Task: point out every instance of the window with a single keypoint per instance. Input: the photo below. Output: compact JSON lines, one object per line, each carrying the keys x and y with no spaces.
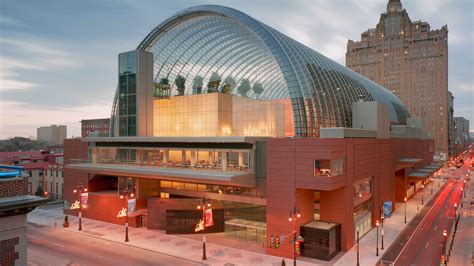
{"x":324,"y":167}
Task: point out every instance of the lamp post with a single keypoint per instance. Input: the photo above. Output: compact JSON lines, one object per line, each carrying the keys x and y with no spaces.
{"x":445,"y":234}
{"x":79,"y":190}
{"x":357,"y":250}
{"x":125,"y":195}
{"x":422,"y":187}
{"x":377,"y":246}
{"x":405,"y":200}
{"x":294,"y":214}
{"x":202,"y":204}
{"x":382,"y":217}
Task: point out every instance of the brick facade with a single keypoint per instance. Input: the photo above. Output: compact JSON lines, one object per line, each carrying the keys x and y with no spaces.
{"x":291,"y":181}
{"x":8,"y":255}
{"x":13,"y":187}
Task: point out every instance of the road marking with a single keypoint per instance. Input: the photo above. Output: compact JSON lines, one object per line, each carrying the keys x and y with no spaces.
{"x":57,"y":244}
{"x":427,"y":245}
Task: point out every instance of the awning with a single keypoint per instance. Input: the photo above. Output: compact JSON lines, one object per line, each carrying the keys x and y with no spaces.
{"x":406,"y":162}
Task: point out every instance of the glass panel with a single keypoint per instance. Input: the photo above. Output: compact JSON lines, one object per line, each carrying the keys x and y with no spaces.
{"x":122,"y":63}
{"x":132,"y":62}
{"x":132,"y":105}
{"x":132,"y":84}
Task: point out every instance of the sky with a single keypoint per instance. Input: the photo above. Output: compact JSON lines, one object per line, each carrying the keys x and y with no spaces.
{"x":58,"y":58}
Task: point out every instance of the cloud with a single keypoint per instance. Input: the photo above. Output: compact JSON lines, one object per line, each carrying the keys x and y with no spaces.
{"x":31,"y":54}
{"x":27,"y":118}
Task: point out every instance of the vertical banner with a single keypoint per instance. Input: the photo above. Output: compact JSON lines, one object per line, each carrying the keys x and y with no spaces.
{"x":209,"y":220}
{"x":387,"y":209}
{"x":84,"y":198}
{"x":131,"y":205}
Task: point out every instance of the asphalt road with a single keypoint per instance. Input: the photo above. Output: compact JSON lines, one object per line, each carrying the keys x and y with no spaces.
{"x":426,"y":245}
{"x":51,"y":246}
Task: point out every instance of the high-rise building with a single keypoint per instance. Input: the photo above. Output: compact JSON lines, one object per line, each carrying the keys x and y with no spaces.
{"x":462,"y":134}
{"x":53,"y":135}
{"x":99,"y":127}
{"x":411,"y":60}
{"x":451,"y":131}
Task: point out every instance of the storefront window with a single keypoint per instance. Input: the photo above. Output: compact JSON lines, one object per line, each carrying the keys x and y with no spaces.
{"x":363,"y":188}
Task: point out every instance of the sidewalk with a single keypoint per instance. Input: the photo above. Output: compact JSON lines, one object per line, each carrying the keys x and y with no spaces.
{"x":158,"y":241}
{"x":463,"y":247}
{"x":392,"y":228}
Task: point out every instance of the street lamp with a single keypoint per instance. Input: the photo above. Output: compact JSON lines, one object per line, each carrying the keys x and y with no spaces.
{"x":377,"y":249}
{"x":445,"y":234}
{"x":422,"y":187}
{"x":125,"y":194}
{"x":405,"y":200}
{"x":357,"y":248}
{"x":382,"y":217}
{"x":79,"y":190}
{"x":202,"y":204}
{"x":294,"y":214}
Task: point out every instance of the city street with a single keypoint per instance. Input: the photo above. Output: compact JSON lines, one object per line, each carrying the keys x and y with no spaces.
{"x":426,"y":244}
{"x":50,"y":246}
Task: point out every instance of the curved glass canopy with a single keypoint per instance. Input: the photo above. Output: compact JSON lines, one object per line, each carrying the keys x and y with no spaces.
{"x":205,"y":49}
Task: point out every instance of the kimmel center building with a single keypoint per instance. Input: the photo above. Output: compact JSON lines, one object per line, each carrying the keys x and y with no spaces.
{"x":214,"y":103}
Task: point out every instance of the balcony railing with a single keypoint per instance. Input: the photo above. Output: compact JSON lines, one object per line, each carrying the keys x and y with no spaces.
{"x":199,"y":166}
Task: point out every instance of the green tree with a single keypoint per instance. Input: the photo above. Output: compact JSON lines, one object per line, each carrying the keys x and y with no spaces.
{"x":229,"y":85}
{"x":197,"y":85}
{"x":180,"y":84}
{"x":244,"y":88}
{"x":214,"y":82}
{"x":257,"y":89}
{"x":39,"y":191}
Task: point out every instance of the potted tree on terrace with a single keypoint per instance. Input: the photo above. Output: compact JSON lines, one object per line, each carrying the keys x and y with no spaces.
{"x":180,"y":84}
{"x":229,"y":84}
{"x":244,"y":88}
{"x":197,"y":85}
{"x":162,"y":89}
{"x":257,"y":89}
{"x":214,"y":82}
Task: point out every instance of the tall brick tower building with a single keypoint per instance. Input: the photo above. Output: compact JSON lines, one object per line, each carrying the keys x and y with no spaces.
{"x":411,"y":60}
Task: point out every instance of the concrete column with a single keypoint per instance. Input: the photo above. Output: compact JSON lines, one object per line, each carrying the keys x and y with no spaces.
{"x":224,"y":161}
{"x":139,"y":156}
{"x":183,"y":156}
{"x":94,"y":155}
{"x":211,"y":157}
{"x":241,"y":158}
{"x":193,"y":158}
{"x":166,"y":156}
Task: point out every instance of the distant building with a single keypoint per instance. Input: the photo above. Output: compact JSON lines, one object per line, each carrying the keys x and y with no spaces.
{"x":53,"y":135}
{"x":100,"y":127}
{"x":15,"y":205}
{"x":451,"y":131}
{"x":44,"y":170}
{"x":462,"y":134}
{"x":410,"y":60}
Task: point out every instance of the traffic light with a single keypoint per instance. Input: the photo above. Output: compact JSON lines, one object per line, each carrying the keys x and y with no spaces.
{"x":277,"y":242}
{"x":272,"y":241}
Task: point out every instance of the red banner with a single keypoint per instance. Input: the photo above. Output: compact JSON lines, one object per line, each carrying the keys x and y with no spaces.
{"x":209,"y":220}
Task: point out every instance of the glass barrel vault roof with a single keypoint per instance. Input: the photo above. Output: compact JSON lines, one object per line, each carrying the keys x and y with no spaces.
{"x":204,"y":40}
